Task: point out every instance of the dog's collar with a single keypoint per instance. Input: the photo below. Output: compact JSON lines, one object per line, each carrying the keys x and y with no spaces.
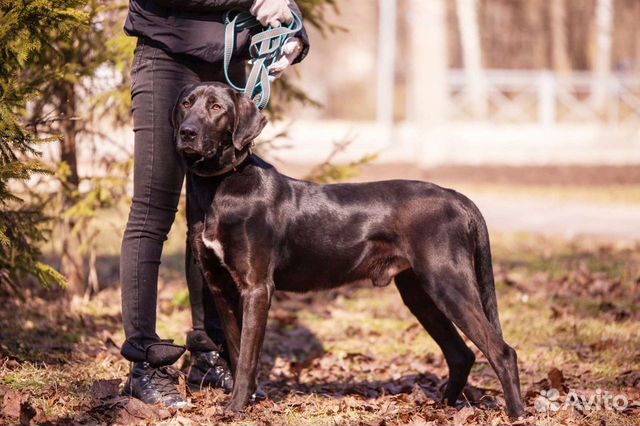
{"x":233,"y":166}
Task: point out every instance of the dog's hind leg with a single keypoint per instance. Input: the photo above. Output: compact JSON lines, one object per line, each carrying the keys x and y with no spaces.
{"x":452,"y":286}
{"x":459,"y":357}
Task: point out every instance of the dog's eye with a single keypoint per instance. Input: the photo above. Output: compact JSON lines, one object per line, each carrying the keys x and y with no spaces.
{"x":215,"y":107}
{"x":186,"y":104}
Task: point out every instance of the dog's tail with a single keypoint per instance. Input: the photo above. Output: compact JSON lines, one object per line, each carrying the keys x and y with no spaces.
{"x":484,"y":272}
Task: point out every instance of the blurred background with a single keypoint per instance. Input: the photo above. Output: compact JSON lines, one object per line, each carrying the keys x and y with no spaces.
{"x":477,"y":82}
{"x":519,"y":104}
{"x":531,"y":108}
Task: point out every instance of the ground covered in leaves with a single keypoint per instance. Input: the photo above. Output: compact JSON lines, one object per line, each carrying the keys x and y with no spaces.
{"x":356,"y":355}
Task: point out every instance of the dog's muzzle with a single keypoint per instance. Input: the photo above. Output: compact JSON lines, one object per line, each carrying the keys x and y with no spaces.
{"x":191,"y":156}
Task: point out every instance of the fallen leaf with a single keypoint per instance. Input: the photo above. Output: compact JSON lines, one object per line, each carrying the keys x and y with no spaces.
{"x":181,"y":420}
{"x":11,"y":403}
{"x":163,"y":413}
{"x":556,"y":378}
{"x":104,"y":389}
{"x":132,"y":410}
{"x":461,"y":416}
{"x":630,"y":378}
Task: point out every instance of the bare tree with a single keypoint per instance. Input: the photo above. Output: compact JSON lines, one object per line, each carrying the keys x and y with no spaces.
{"x":559,"y":49}
{"x":472,"y":54}
{"x":428,"y":88}
{"x":602,"y":52}
{"x":386,"y":65}
{"x":428,"y":74}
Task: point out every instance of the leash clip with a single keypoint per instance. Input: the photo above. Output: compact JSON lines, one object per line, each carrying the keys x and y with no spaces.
{"x":264,"y":49}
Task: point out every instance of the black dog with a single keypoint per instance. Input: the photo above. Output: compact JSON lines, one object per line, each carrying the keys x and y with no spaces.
{"x":254,"y":231}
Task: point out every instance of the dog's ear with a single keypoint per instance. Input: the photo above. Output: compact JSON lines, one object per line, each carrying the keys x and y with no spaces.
{"x":175,"y":112}
{"x":249,"y":122}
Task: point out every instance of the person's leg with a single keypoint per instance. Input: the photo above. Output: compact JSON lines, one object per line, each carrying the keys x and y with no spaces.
{"x":158,"y":177}
{"x":157,"y":79}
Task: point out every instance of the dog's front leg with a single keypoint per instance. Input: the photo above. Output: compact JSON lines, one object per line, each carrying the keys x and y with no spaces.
{"x":223,"y":289}
{"x":255,"y":301}
{"x":229,"y":312}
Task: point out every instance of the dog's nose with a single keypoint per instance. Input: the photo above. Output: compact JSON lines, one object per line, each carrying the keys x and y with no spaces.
{"x":188,"y":133}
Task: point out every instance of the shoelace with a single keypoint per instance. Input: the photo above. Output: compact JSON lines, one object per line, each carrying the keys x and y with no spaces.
{"x":220,"y":373}
{"x":165,"y":380}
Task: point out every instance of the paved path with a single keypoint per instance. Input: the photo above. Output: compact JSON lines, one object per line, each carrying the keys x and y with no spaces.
{"x":561,"y":218}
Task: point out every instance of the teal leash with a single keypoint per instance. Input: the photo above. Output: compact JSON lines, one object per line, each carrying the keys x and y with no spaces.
{"x":264,"y":49}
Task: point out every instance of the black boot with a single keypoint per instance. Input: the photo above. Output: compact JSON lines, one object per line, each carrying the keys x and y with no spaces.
{"x":209,"y":369}
{"x":208,"y":366}
{"x":154,"y":385}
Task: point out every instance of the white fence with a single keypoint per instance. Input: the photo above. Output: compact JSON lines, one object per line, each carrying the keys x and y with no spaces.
{"x":514,"y":117}
{"x":520,"y":118}
{"x":545,"y":98}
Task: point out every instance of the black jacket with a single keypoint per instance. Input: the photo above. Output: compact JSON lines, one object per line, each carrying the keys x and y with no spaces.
{"x":193,"y":27}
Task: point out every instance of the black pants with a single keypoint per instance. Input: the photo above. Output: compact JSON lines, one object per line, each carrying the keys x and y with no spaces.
{"x":156,"y":80}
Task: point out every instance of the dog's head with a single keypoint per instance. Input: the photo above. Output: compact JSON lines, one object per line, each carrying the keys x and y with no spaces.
{"x":213,"y":124}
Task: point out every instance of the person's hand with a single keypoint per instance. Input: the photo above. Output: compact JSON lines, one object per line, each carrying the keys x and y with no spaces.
{"x":290,"y":51}
{"x":271,"y":12}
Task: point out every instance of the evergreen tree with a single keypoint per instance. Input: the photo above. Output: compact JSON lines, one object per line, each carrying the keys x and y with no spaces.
{"x":68,"y":106}
{"x":25,"y":33}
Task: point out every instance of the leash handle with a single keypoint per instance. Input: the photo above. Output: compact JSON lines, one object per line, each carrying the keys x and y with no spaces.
{"x":264,"y":50}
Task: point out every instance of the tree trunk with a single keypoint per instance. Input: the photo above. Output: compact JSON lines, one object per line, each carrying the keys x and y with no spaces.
{"x":428,"y":75}
{"x":602,"y":53}
{"x":428,"y":94}
{"x":472,"y":55}
{"x":387,"y":44}
{"x":72,"y":262}
{"x":559,"y":52}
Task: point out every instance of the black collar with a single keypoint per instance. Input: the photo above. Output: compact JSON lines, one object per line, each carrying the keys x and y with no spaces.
{"x":246,"y":153}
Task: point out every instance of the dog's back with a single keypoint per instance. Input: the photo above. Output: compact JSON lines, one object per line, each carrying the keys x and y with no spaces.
{"x":328,"y":235}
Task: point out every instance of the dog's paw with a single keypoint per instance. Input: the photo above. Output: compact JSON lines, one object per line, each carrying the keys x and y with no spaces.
{"x":235,"y":406}
{"x":518,"y":419}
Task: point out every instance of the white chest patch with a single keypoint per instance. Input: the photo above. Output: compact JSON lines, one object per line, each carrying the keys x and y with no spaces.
{"x":214,"y":245}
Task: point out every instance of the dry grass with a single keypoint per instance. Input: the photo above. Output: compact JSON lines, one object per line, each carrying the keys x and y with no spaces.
{"x":356,"y":356}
